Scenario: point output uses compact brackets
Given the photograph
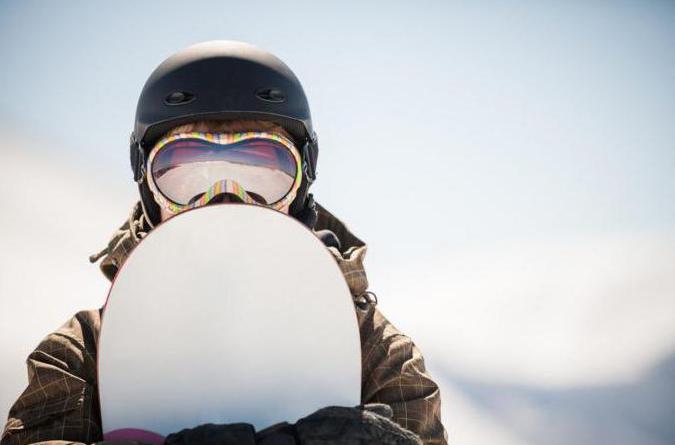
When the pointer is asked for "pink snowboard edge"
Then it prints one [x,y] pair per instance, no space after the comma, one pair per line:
[134,434]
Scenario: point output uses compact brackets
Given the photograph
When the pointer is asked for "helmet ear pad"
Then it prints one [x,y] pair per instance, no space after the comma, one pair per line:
[150,206]
[302,208]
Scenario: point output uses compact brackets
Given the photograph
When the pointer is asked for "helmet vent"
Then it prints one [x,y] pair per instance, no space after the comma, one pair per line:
[274,95]
[179,98]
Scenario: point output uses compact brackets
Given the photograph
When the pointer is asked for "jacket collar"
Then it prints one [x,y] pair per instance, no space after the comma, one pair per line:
[349,257]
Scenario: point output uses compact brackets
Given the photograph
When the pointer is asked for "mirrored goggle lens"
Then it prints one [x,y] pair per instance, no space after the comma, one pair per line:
[186,168]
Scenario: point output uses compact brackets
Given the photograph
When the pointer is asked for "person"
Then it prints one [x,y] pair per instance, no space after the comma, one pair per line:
[225,101]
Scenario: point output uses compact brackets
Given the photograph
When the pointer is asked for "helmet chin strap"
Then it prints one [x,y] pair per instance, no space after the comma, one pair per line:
[150,208]
[308,215]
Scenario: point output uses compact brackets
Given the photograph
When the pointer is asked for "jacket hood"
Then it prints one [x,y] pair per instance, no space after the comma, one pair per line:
[349,256]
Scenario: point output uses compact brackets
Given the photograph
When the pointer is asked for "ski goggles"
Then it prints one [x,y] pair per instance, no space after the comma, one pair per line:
[186,170]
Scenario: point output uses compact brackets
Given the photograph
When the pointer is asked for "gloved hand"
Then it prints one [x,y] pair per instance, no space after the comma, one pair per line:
[334,425]
[362,425]
[211,434]
[279,434]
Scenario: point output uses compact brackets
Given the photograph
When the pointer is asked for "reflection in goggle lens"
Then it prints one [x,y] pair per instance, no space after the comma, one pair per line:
[185,168]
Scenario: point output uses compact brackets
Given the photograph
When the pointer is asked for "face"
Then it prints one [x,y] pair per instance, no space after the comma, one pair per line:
[166,213]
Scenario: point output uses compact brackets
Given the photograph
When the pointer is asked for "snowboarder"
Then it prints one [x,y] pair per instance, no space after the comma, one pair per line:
[234,93]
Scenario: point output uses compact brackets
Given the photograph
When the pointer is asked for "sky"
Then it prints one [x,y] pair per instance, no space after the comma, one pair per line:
[509,164]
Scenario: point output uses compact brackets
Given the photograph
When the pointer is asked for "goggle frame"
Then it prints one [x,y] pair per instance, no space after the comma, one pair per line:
[223,139]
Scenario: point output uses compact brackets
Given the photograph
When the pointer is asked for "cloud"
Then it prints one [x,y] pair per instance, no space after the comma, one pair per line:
[57,212]
[561,312]
[636,413]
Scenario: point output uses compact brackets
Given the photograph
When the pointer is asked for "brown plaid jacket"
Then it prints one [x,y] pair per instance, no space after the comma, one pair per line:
[60,403]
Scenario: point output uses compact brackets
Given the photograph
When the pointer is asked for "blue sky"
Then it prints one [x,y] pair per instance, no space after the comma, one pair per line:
[480,121]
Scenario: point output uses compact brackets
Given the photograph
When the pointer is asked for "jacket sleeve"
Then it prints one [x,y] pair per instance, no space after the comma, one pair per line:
[60,403]
[394,373]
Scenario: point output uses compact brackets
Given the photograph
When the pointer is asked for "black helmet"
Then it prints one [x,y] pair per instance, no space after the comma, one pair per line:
[223,80]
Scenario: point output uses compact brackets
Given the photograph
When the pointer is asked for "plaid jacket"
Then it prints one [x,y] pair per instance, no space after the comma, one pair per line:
[61,400]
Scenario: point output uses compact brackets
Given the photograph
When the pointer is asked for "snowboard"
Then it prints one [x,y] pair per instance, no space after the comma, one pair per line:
[223,314]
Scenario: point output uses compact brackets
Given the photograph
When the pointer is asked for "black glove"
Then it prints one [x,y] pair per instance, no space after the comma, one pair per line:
[363,425]
[279,434]
[211,434]
[334,425]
